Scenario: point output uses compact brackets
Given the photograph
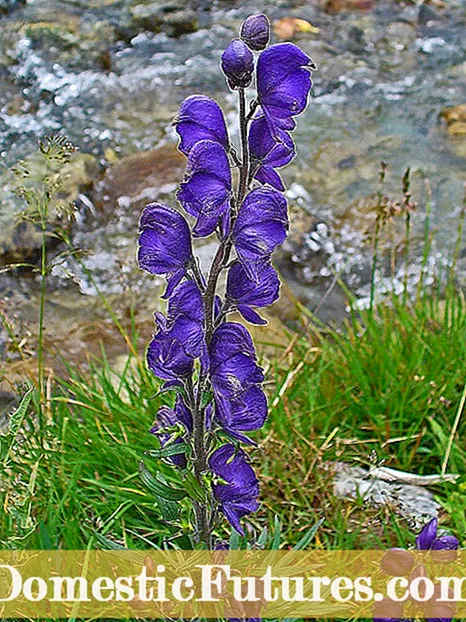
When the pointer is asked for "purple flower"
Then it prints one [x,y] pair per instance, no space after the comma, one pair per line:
[244,415]
[167,358]
[200,118]
[185,318]
[255,32]
[168,418]
[206,191]
[243,293]
[238,64]
[238,495]
[427,540]
[164,243]
[269,152]
[233,367]
[262,225]
[283,83]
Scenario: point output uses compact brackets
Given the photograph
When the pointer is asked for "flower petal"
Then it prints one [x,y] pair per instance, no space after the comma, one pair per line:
[427,536]
[206,191]
[262,225]
[241,290]
[200,118]
[164,240]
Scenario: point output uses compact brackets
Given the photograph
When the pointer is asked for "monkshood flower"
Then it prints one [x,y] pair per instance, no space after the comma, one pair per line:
[238,64]
[185,318]
[262,225]
[209,362]
[283,83]
[269,152]
[243,294]
[233,366]
[428,540]
[200,118]
[238,494]
[243,415]
[255,32]
[171,418]
[166,356]
[164,243]
[206,191]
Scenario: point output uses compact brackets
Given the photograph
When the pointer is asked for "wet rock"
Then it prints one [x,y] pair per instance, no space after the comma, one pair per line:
[138,179]
[455,119]
[427,14]
[6,6]
[173,18]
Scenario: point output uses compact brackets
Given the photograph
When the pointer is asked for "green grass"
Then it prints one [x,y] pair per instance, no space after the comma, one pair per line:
[386,388]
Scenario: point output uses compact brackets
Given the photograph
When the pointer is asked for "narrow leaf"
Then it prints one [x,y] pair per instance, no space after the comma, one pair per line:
[158,488]
[308,537]
[175,449]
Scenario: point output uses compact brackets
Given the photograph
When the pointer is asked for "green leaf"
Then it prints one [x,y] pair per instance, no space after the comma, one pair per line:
[157,487]
[175,449]
[18,415]
[170,510]
[234,540]
[277,534]
[308,537]
[193,487]
[108,545]
[262,539]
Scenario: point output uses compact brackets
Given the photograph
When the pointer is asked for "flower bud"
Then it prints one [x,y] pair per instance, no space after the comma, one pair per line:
[255,32]
[238,64]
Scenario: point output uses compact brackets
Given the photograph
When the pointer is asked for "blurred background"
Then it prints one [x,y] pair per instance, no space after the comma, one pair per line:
[110,75]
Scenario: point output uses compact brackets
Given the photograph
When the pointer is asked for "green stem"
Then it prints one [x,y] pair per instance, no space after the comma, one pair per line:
[40,345]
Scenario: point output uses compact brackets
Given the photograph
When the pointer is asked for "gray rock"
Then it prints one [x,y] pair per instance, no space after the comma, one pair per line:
[172,18]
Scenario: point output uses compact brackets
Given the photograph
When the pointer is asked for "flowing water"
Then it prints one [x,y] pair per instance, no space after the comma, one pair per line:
[110,74]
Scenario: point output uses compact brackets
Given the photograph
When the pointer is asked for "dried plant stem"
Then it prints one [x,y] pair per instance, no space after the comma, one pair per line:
[453,431]
[41,320]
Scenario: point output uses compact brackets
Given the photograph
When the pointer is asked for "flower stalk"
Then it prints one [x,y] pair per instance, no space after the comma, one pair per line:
[207,360]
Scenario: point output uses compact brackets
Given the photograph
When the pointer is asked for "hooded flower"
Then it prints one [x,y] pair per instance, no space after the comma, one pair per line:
[255,32]
[200,118]
[185,318]
[233,367]
[269,152]
[283,83]
[238,495]
[262,225]
[164,243]
[238,64]
[246,415]
[243,293]
[427,540]
[206,191]
[169,418]
[167,358]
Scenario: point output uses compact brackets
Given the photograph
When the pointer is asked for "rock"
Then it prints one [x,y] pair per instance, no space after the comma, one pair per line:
[427,14]
[172,18]
[6,6]
[455,119]
[288,27]
[400,35]
[336,6]
[138,179]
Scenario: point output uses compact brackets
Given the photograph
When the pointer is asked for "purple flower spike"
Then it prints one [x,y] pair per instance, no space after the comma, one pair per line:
[283,83]
[233,367]
[167,358]
[238,496]
[206,191]
[244,416]
[244,293]
[269,152]
[168,417]
[200,118]
[255,32]
[238,64]
[164,243]
[262,225]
